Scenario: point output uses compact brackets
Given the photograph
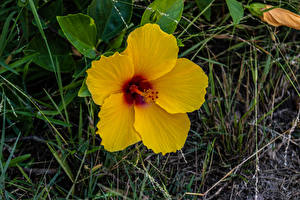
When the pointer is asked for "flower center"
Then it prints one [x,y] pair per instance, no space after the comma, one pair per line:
[139,91]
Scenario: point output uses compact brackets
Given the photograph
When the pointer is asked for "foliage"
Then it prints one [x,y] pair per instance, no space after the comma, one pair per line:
[49,148]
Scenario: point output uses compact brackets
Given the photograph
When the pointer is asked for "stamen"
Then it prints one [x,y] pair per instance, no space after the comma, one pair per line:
[149,95]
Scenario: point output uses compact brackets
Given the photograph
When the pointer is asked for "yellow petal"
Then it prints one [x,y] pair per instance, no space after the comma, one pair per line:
[281,17]
[116,124]
[107,75]
[161,131]
[183,89]
[153,51]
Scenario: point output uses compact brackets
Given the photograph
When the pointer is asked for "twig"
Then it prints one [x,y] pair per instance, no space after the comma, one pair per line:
[39,171]
[238,166]
[34,138]
[289,138]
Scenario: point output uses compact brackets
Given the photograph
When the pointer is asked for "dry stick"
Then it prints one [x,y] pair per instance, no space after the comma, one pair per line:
[34,138]
[183,156]
[276,133]
[39,171]
[230,172]
[289,138]
[256,136]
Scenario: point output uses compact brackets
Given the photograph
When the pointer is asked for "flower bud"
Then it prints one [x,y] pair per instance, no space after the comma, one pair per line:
[256,9]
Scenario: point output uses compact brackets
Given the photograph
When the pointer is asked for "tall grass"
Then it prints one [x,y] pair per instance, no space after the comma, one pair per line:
[49,146]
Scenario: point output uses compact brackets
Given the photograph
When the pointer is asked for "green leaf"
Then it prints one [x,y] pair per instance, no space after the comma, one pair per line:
[60,51]
[83,91]
[81,31]
[111,17]
[202,4]
[236,10]
[179,42]
[18,160]
[165,13]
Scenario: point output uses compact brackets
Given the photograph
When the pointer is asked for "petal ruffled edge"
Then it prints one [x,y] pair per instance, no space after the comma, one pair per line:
[107,75]
[161,131]
[153,52]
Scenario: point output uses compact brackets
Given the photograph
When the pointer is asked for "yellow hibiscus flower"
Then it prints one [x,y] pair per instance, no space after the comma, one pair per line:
[145,92]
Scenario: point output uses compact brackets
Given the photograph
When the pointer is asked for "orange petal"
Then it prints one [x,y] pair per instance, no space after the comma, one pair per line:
[183,89]
[116,124]
[107,75]
[153,51]
[161,131]
[281,17]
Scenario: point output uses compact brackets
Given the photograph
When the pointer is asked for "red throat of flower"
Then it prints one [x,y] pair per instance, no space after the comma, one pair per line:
[138,91]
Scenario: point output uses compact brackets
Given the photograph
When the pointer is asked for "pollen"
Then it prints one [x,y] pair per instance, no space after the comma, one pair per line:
[149,95]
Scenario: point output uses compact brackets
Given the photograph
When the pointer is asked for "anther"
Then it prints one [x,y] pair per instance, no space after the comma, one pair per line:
[149,95]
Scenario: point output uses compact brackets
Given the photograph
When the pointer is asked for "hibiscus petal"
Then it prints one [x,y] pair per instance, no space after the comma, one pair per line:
[161,131]
[107,75]
[116,124]
[281,17]
[153,51]
[182,89]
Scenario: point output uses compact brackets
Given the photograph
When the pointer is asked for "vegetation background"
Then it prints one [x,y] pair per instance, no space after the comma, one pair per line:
[243,144]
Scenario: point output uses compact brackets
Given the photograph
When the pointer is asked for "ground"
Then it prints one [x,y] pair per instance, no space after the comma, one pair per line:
[244,142]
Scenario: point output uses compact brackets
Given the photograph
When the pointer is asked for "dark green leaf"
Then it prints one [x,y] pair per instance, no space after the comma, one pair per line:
[54,121]
[60,51]
[236,10]
[165,13]
[110,16]
[81,31]
[22,3]
[117,42]
[18,160]
[50,10]
[68,98]
[43,23]
[202,4]
[62,162]
[7,67]
[5,30]
[100,11]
